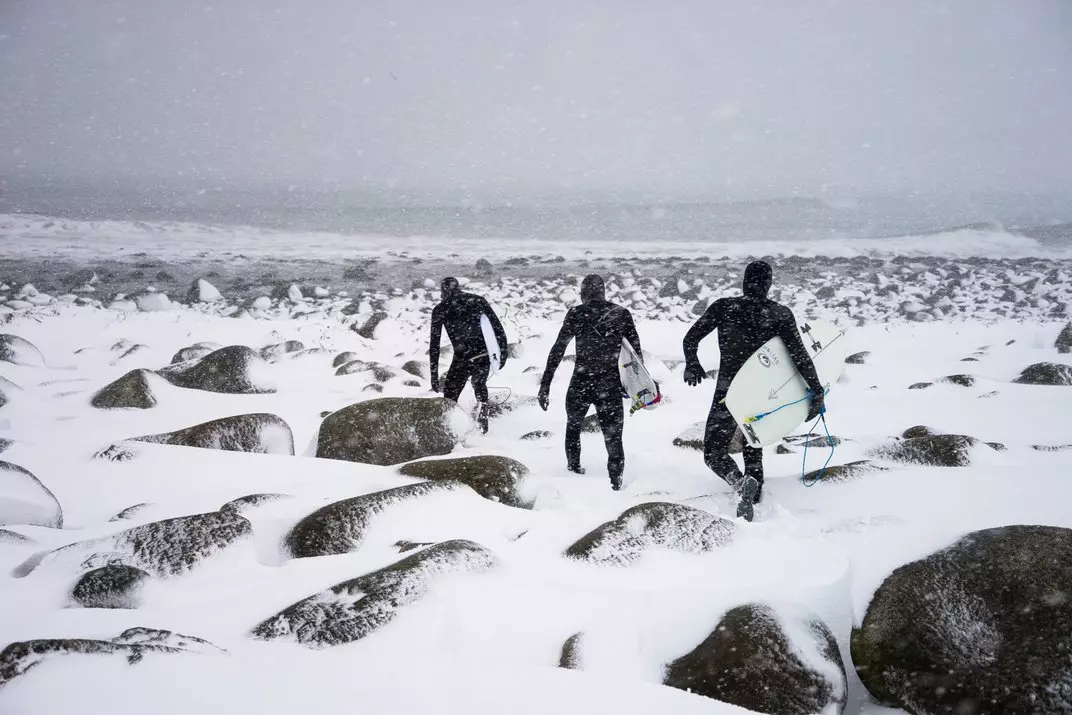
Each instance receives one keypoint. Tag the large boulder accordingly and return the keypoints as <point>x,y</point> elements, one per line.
<point>170,547</point>
<point>766,661</point>
<point>368,329</point>
<point>1064,340</point>
<point>353,609</point>
<point>235,369</point>
<point>1046,373</point>
<point>203,292</point>
<point>273,353</point>
<point>653,525</point>
<point>843,472</point>
<point>343,358</point>
<point>340,527</point>
<point>194,352</point>
<point>113,586</point>
<point>132,391</point>
<point>133,644</point>
<point>18,351</point>
<point>982,626</point>
<point>25,500</point>
<point>858,358</point>
<point>391,430</point>
<point>9,391</point>
<point>496,478</point>
<point>940,450</point>
<point>260,433</point>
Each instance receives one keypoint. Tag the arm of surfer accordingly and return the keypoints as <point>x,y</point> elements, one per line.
<point>554,358</point>
<point>803,363</point>
<point>433,348</point>
<point>708,322</point>
<point>500,333</point>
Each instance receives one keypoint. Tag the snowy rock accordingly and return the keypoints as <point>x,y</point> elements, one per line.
<point>294,294</point>
<point>984,621</point>
<point>262,303</point>
<point>321,292</point>
<point>133,390</point>
<point>536,435</point>
<point>18,305</point>
<point>417,368</point>
<point>353,367</point>
<point>655,524</point>
<point>170,547</point>
<point>194,352</point>
<point>340,527</point>
<point>343,358</point>
<point>570,658</point>
<point>113,586</point>
<point>260,433</point>
<point>392,430</point>
<point>858,358</point>
<point>961,380</point>
<point>368,330</point>
<point>9,538</point>
<point>693,438</point>
<point>25,500</point>
<point>153,302</point>
<point>499,479</point>
<point>250,501</point>
<point>203,292</point>
<point>1064,340</point>
<point>28,290</point>
<point>272,353</point>
<point>918,431</point>
<point>353,609</point>
<point>18,351</point>
<point>1046,373</point>
<point>235,370</point>
<point>766,661</point>
<point>9,391</point>
<point>943,450</point>
<point>133,644</point>
<point>123,306</point>
<point>130,512</point>
<point>843,472</point>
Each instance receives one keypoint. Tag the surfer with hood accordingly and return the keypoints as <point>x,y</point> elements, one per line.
<point>744,324</point>
<point>598,326</point>
<point>460,314</point>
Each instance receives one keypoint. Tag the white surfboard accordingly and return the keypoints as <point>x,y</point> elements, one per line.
<point>492,345</point>
<point>763,392</point>
<point>641,391</point>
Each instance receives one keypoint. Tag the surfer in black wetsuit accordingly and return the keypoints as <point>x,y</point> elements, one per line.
<point>743,325</point>
<point>599,326</point>
<point>460,313</point>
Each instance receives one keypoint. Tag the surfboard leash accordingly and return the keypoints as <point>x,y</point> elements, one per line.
<point>803,464</point>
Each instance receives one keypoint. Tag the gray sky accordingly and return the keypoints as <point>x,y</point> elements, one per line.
<point>668,97</point>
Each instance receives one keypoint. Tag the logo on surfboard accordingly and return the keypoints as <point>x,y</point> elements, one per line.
<point>766,357</point>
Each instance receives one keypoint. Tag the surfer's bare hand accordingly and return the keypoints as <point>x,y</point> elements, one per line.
<point>694,375</point>
<point>544,399</point>
<point>816,407</point>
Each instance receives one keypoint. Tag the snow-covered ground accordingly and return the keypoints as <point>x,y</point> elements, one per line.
<point>489,642</point>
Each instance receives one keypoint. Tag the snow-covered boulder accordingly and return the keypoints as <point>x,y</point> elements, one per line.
<point>133,390</point>
<point>942,450</point>
<point>133,645</point>
<point>260,433</point>
<point>654,524</point>
<point>980,626</point>
<point>153,302</point>
<point>858,358</point>
<point>499,479</point>
<point>368,328</point>
<point>112,586</point>
<point>194,352</point>
<point>9,391</point>
<point>417,368</point>
<point>340,527</point>
<point>392,430</point>
<point>1064,340</point>
<point>261,303</point>
<point>203,292</point>
<point>693,438</point>
<point>843,472</point>
<point>766,660</point>
<point>272,353</point>
<point>235,369</point>
<point>19,351</point>
<point>123,305</point>
<point>25,500</point>
<point>1046,373</point>
<point>353,609</point>
<point>344,358</point>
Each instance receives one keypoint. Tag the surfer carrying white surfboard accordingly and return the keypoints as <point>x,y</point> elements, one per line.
<point>599,327</point>
<point>462,315</point>
<point>744,324</point>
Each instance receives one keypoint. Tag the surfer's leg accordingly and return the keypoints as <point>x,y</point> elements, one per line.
<point>577,404</point>
<point>457,375</point>
<point>480,369</point>
<point>717,436</point>
<point>611,418</point>
<point>753,467</point>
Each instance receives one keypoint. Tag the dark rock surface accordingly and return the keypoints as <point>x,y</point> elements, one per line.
<point>1046,373</point>
<point>260,433</point>
<point>499,479</point>
<point>388,431</point>
<point>113,586</point>
<point>132,391</point>
<point>943,450</point>
<point>234,370</point>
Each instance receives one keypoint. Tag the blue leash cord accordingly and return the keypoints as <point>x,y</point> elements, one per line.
<point>830,441</point>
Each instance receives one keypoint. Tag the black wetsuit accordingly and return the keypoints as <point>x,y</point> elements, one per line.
<point>460,313</point>
<point>598,326</point>
<point>743,325</point>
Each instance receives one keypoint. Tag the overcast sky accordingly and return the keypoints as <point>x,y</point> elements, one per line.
<point>665,97</point>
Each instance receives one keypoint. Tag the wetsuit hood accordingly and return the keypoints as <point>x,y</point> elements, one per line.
<point>449,287</point>
<point>592,288</point>
<point>757,279</point>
